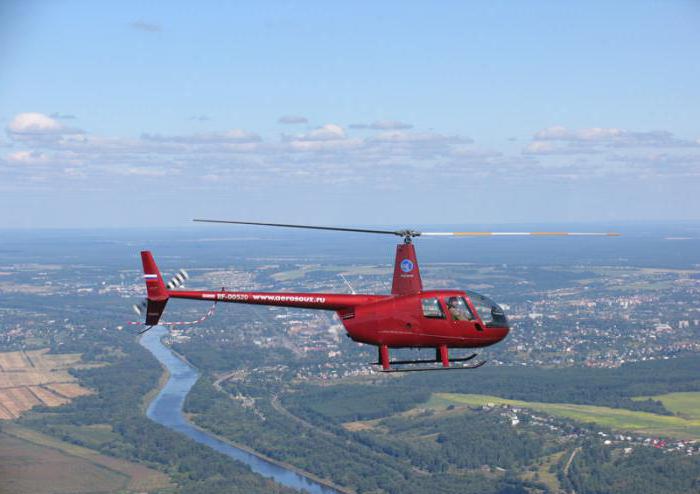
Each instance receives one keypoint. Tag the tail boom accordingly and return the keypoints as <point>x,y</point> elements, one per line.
<point>321,301</point>
<point>159,294</point>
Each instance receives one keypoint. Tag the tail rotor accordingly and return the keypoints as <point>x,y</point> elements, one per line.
<point>177,281</point>
<point>158,295</point>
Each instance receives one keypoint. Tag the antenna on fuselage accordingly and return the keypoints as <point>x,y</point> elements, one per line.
<point>352,290</point>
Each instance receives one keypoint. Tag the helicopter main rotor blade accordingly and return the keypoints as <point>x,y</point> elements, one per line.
<point>517,234</point>
<point>309,227</point>
<point>408,234</point>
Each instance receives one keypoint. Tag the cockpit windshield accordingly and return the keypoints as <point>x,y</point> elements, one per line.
<point>490,312</point>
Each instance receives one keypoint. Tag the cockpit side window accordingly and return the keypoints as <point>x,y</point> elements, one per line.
<point>459,309</point>
<point>432,309</point>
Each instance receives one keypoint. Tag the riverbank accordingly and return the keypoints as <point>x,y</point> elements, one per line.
<point>166,408</point>
<point>282,464</point>
<point>151,395</point>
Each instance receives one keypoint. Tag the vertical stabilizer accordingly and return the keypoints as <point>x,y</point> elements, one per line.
<point>154,281</point>
<point>157,293</point>
<point>406,273</point>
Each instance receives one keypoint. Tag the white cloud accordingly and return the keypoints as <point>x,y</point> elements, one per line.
<point>660,163</point>
<point>324,145</point>
<point>27,158</point>
<point>35,126</point>
<point>142,171</point>
<point>327,155</point>
<point>327,138</point>
<point>475,154</point>
<point>328,132</point>
<point>539,147</point>
<point>383,125</point>
<point>614,137</point>
<point>417,137</point>
<point>34,123</point>
<point>549,147</point>
<point>229,136</point>
<point>558,133</point>
<point>554,133</point>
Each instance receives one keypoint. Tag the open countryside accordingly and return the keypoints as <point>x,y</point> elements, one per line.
<point>35,377</point>
<point>41,464</point>
<point>686,405</point>
<point>614,418</point>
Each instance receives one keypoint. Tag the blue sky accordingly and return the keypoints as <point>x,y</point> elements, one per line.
<point>151,113</point>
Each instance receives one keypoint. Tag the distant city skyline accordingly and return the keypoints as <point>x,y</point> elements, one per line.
<point>136,114</point>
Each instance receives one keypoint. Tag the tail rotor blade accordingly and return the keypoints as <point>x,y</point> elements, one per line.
<point>178,280</point>
<point>140,308</point>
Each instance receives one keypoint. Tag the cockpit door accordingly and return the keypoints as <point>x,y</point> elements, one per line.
<point>462,314</point>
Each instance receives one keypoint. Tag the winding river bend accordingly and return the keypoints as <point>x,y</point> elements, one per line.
<point>166,409</point>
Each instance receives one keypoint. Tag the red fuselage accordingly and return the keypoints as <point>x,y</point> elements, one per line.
<point>391,320</point>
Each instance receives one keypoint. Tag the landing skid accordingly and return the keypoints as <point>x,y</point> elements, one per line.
<point>437,360</point>
<point>427,361</point>
<point>423,369</point>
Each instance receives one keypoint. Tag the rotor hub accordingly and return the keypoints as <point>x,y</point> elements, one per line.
<point>408,235</point>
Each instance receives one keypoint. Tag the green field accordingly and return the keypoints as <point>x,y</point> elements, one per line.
<point>685,405</point>
<point>90,436</point>
<point>614,418</point>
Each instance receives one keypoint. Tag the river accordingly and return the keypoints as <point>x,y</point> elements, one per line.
<point>166,409</point>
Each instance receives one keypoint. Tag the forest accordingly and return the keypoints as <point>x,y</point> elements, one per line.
<point>605,387</point>
<point>348,459</point>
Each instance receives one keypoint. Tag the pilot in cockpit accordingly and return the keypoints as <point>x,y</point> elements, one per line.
<point>456,308</point>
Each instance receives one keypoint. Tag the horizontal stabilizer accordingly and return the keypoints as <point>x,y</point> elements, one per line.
<point>154,310</point>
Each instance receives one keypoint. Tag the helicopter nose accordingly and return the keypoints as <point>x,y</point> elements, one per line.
<point>503,332</point>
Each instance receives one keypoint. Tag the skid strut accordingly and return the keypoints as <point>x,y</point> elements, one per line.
<point>443,354</point>
<point>384,357</point>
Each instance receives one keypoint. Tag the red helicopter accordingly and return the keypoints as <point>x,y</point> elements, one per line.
<point>409,317</point>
